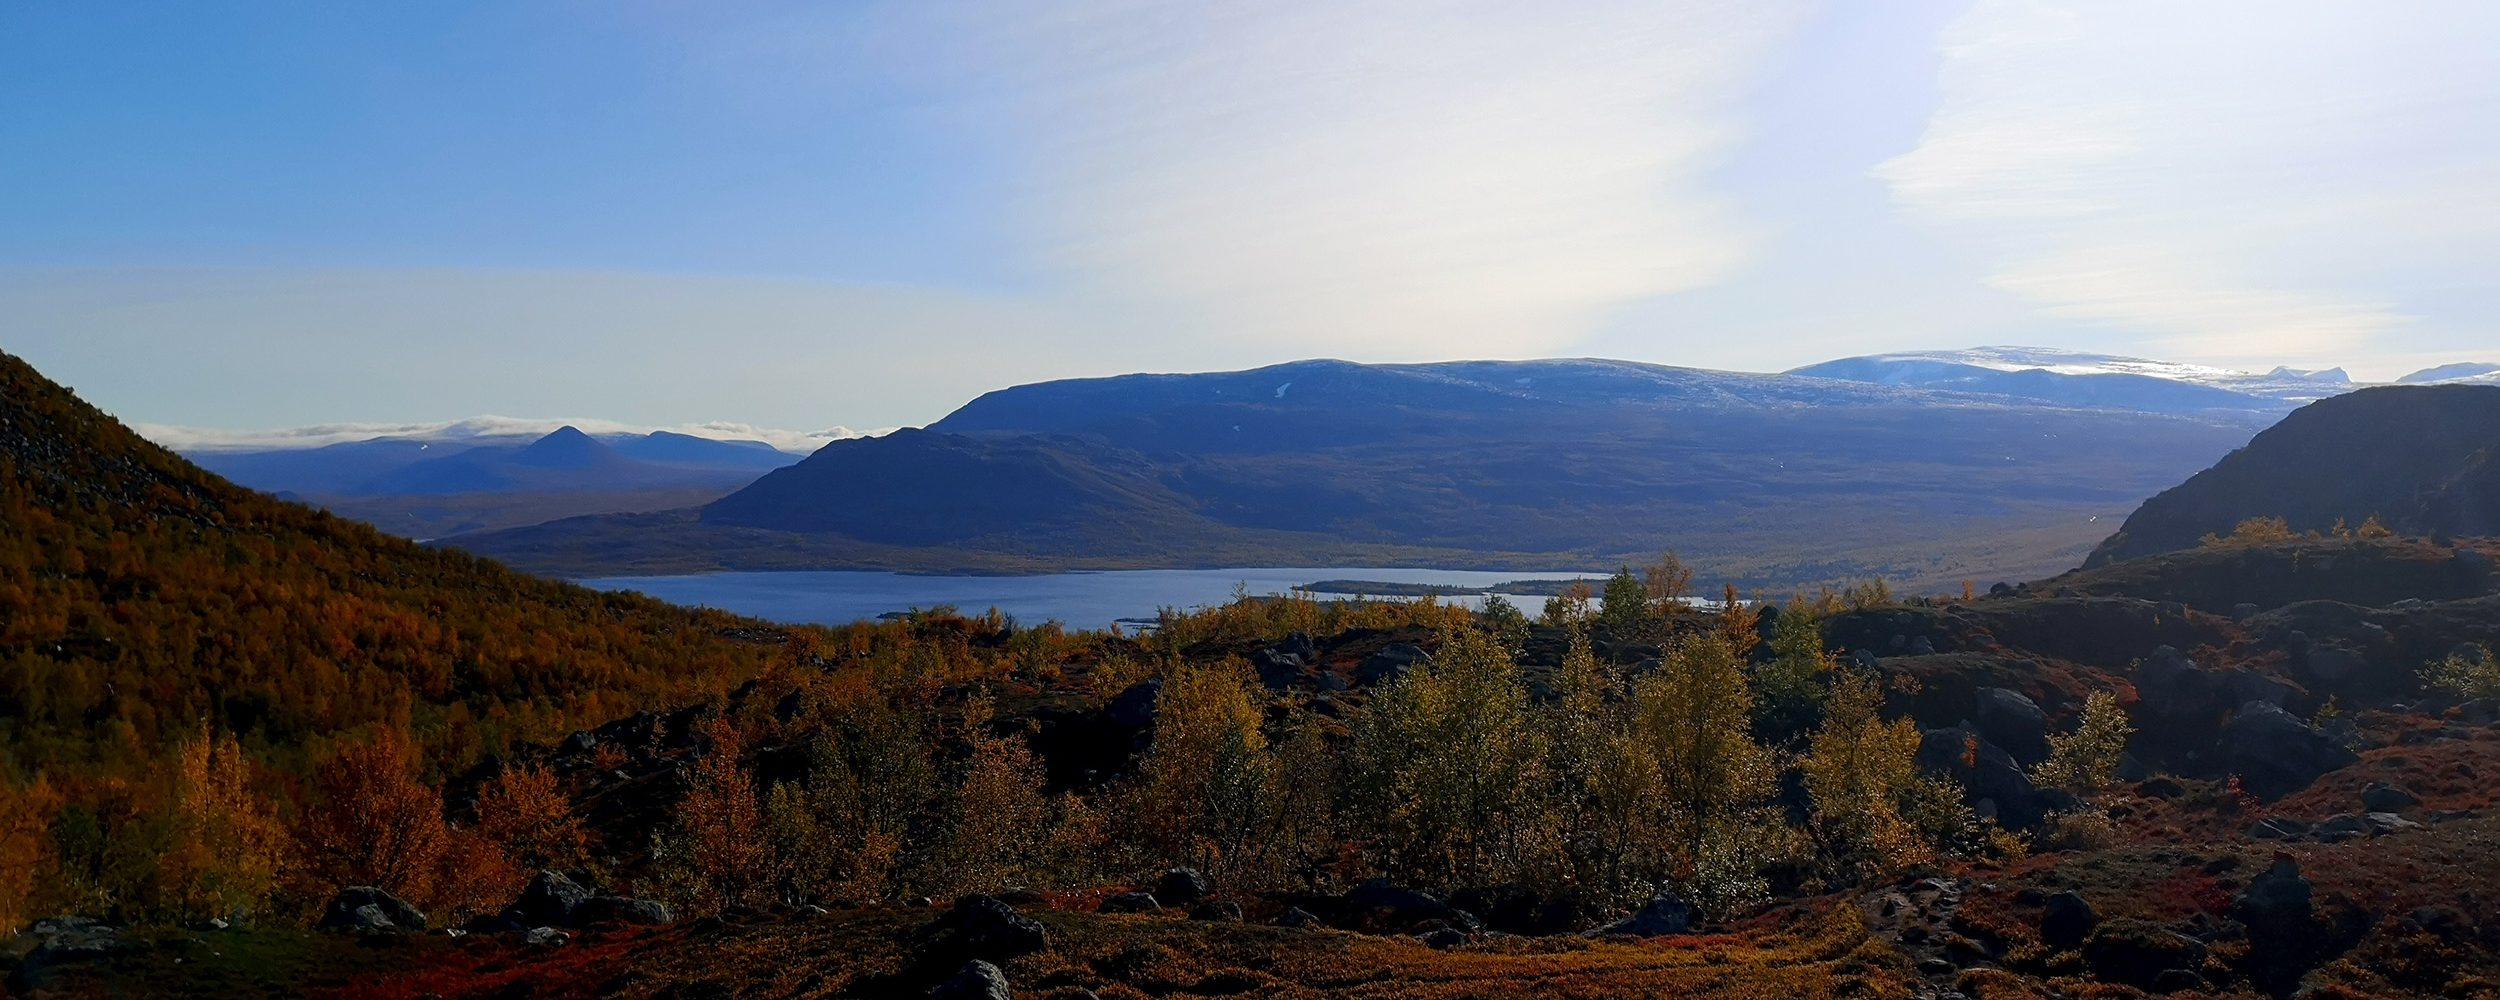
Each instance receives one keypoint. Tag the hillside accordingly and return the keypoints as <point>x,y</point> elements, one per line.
<point>2424,460</point>
<point>1763,479</point>
<point>141,597</point>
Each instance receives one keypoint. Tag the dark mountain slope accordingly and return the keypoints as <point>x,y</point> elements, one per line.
<point>2423,459</point>
<point>915,487</point>
<point>141,596</point>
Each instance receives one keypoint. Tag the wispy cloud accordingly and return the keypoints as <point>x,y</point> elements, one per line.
<point>1388,178</point>
<point>2231,180</point>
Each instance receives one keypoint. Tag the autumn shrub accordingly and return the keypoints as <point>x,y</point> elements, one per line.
<point>372,822</point>
<point>1861,771</point>
<point>1443,764</point>
<point>999,823</point>
<point>2253,531</point>
<point>524,813</point>
<point>2086,761</point>
<point>227,849</point>
<point>717,856</point>
<point>2467,676</point>
<point>26,813</point>
<point>1692,720</point>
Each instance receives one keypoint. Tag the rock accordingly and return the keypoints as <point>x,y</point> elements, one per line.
<point>621,910</point>
<point>1295,916</point>
<point>977,980</point>
<point>2275,753</point>
<point>1277,670</point>
<point>2384,823</point>
<point>2244,611</point>
<point>2279,828</point>
<point>2341,828</point>
<point>2473,562</point>
<point>1221,911</point>
<point>1403,905</point>
<point>2137,952</point>
<point>1665,914</point>
<point>545,937</point>
<point>1181,887</point>
<point>1922,646</point>
<point>2380,797</point>
<point>2010,720</point>
<point>2066,919</point>
<point>1986,772</point>
<point>991,929</point>
<point>1331,681</point>
<point>2326,666</point>
<point>1444,939</point>
<point>547,901</point>
<point>582,741</point>
<point>2278,901</point>
<point>364,909</point>
<point>1134,707</point>
<point>1129,902</point>
<point>2177,981</point>
<point>2160,787</point>
<point>64,941</point>
<point>1299,645</point>
<point>1390,663</point>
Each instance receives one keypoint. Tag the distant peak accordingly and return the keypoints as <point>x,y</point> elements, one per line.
<point>2334,375</point>
<point>2442,373</point>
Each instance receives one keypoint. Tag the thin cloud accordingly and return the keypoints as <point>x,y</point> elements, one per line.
<point>2228,180</point>
<point>1377,179</point>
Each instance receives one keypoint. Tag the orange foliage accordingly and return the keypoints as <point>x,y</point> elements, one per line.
<point>374,823</point>
<point>722,824</point>
<point>524,814</point>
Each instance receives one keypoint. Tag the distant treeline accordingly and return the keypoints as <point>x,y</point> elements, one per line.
<point>1382,588</point>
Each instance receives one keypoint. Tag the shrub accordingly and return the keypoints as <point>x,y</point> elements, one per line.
<point>527,816</point>
<point>2086,761</point>
<point>2467,676</point>
<point>374,823</point>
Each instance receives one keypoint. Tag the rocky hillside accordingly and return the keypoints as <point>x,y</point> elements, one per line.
<point>141,597</point>
<point>2424,460</point>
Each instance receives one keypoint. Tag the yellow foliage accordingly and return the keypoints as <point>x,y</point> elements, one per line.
<point>227,849</point>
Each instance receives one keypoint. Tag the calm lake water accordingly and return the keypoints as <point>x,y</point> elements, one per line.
<point>1078,600</point>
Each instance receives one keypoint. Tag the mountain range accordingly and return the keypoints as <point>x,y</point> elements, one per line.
<point>1767,478</point>
<point>425,487</point>
<point>1925,466</point>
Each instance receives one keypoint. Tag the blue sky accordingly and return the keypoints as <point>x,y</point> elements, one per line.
<point>863,214</point>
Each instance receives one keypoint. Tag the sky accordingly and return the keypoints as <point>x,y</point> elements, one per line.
<point>818,217</point>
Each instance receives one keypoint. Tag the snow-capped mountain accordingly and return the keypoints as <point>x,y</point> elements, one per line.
<point>2082,378</point>
<point>2466,372</point>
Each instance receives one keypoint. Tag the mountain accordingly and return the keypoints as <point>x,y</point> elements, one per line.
<point>1771,479</point>
<point>2425,460</point>
<point>672,448</point>
<point>2081,379</point>
<point>430,487</point>
<point>2462,370</point>
<point>146,596</point>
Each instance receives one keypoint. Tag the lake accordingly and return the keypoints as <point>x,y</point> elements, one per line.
<point>1078,600</point>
